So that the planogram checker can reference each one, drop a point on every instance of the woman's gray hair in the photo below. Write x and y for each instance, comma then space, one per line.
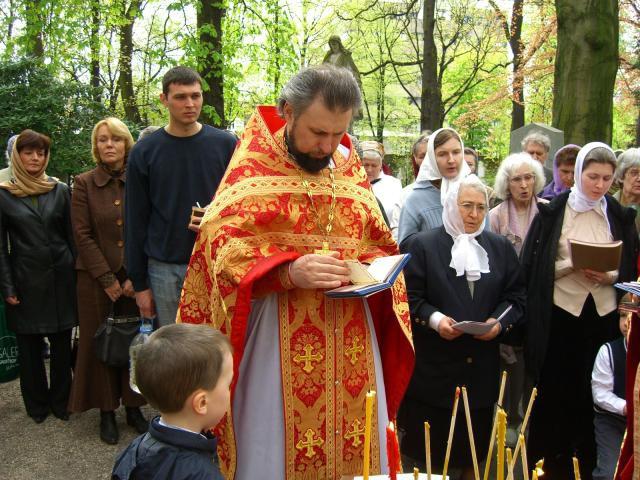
536, 137
628, 159
473, 182
507, 169
335, 85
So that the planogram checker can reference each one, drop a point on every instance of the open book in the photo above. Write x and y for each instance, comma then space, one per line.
369, 279
601, 257
631, 287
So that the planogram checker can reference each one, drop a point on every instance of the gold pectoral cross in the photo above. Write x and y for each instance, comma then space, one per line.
324, 250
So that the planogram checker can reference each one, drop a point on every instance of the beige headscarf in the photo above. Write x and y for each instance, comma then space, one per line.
22, 183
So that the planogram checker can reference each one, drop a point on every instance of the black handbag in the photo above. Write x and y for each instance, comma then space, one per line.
113, 338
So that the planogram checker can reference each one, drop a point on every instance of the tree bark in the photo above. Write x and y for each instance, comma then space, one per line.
585, 69
431, 107
125, 80
35, 27
95, 50
517, 87
210, 63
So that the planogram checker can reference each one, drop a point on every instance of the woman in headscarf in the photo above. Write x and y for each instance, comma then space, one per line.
628, 179
385, 187
37, 276
571, 313
457, 272
97, 213
564, 162
442, 168
518, 180
418, 152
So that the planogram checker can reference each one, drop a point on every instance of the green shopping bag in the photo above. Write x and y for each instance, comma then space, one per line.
8, 350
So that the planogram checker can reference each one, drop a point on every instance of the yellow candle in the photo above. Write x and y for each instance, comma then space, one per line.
368, 415
416, 473
454, 413
576, 468
427, 448
502, 436
509, 462
523, 452
492, 439
523, 426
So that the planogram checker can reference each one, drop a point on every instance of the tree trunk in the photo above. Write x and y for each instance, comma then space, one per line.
210, 15
431, 108
585, 69
517, 87
95, 50
125, 80
34, 27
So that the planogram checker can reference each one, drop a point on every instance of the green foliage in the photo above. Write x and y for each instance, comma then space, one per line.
31, 97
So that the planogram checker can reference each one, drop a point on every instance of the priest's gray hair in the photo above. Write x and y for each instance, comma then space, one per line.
628, 159
508, 169
536, 137
335, 85
473, 182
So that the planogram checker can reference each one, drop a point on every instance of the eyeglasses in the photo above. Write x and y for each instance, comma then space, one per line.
527, 177
633, 173
470, 207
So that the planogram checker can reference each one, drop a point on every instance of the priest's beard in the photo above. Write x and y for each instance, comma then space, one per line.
304, 160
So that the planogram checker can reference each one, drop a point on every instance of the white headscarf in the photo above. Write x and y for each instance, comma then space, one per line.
467, 255
577, 199
429, 169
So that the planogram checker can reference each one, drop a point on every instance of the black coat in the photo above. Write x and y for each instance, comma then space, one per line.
432, 285
538, 259
37, 261
168, 454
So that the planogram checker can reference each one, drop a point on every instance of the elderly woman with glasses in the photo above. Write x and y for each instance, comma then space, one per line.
518, 180
458, 272
628, 179
570, 312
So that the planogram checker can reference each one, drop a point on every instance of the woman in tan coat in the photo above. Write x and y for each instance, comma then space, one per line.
97, 209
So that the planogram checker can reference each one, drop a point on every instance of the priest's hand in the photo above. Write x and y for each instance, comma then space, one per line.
491, 334
319, 271
446, 330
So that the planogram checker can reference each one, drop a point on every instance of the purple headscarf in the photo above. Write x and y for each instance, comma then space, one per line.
556, 187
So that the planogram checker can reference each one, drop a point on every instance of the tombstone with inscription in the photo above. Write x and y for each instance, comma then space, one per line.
556, 137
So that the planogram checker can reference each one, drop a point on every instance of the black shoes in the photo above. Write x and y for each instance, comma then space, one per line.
40, 417
136, 420
64, 415
108, 428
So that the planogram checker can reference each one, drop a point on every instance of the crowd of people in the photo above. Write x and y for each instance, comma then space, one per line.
291, 202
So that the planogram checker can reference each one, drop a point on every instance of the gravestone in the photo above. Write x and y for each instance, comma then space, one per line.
555, 136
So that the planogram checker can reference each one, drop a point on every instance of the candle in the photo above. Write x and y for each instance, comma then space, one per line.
523, 427
523, 452
509, 462
451, 428
502, 434
427, 448
472, 443
416, 473
538, 470
393, 451
369, 399
576, 468
492, 439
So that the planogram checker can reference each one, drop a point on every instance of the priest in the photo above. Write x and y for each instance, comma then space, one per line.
294, 204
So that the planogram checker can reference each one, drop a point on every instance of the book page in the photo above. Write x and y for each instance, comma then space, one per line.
381, 267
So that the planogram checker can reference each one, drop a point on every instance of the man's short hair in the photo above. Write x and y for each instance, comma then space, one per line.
177, 360
536, 137
335, 85
181, 76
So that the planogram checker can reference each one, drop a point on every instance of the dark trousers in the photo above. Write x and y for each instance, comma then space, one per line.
562, 417
39, 398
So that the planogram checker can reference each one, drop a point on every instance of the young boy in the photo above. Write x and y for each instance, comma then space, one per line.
608, 389
185, 371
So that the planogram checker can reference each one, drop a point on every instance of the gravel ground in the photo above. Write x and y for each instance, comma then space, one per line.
55, 449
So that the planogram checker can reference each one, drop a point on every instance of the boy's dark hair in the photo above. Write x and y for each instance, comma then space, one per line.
32, 139
181, 76
177, 360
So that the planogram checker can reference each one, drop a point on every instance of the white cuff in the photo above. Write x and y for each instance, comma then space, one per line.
434, 320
